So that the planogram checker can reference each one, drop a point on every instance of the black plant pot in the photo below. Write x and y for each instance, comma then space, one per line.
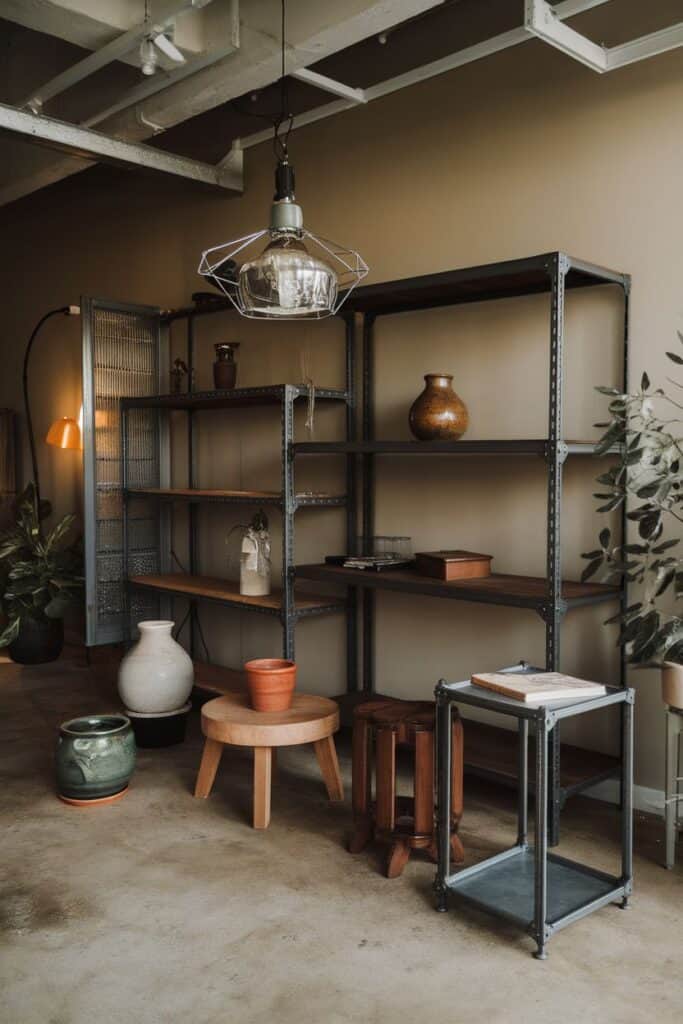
39, 641
162, 730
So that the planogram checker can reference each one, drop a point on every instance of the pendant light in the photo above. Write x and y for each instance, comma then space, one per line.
283, 272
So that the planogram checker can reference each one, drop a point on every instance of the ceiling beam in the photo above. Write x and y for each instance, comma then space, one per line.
468, 55
72, 139
92, 24
541, 20
330, 85
118, 48
315, 30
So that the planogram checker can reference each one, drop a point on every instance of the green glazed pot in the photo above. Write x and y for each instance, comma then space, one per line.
95, 756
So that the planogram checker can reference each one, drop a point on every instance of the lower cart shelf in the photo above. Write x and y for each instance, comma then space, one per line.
504, 886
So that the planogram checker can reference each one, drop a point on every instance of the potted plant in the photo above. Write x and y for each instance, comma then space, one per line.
40, 574
643, 429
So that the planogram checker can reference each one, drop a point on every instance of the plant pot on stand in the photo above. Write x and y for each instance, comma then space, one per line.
155, 681
672, 685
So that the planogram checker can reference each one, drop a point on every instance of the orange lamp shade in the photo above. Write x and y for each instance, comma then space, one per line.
64, 433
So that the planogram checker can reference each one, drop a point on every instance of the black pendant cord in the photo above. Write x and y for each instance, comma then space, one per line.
27, 406
285, 117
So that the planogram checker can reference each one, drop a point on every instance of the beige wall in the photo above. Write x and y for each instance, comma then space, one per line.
521, 153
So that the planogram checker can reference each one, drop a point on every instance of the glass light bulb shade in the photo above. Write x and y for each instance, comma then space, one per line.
64, 433
286, 280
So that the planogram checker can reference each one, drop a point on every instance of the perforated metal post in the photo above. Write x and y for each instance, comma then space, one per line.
368, 498
444, 755
351, 495
287, 611
557, 453
541, 838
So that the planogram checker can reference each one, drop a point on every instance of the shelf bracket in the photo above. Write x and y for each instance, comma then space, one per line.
546, 612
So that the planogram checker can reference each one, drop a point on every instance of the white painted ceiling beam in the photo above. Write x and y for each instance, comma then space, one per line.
70, 138
330, 85
117, 49
477, 51
541, 20
315, 29
93, 24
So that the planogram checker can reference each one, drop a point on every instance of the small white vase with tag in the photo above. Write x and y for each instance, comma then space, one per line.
255, 571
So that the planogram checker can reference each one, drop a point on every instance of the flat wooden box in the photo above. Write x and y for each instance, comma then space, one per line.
453, 565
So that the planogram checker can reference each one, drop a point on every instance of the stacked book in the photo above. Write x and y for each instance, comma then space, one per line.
538, 687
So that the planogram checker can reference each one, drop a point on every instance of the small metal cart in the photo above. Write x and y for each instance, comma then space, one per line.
537, 890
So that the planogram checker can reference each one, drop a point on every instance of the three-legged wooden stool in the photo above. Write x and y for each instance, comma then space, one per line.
231, 719
404, 823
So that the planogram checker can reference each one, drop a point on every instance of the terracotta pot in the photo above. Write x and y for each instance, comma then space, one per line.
271, 683
438, 414
672, 684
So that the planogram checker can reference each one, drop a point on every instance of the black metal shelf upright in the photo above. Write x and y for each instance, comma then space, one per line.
549, 273
283, 602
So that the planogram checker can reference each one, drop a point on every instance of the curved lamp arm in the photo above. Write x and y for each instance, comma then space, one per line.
66, 311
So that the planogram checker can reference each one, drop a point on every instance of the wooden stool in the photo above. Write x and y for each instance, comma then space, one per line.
231, 719
405, 823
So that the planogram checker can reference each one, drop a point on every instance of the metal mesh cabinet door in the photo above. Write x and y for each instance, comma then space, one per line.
122, 357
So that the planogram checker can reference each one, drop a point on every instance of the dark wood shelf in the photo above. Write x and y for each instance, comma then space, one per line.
525, 446
491, 752
234, 399
217, 679
305, 499
498, 588
504, 280
211, 588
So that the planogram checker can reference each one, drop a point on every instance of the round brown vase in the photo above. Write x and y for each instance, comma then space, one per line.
271, 683
438, 414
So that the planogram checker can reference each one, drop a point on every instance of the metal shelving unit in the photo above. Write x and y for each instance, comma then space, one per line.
289, 607
551, 273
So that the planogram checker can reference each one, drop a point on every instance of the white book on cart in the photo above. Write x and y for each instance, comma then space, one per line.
538, 687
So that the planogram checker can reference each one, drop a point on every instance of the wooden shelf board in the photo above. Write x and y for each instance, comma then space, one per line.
234, 496
522, 446
527, 276
237, 398
218, 679
227, 591
498, 588
490, 750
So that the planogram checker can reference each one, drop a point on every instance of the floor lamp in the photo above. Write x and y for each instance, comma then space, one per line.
64, 311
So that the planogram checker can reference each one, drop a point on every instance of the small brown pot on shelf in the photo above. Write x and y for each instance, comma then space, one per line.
438, 414
271, 683
225, 367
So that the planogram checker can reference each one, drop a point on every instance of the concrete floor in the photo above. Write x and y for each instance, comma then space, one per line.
161, 908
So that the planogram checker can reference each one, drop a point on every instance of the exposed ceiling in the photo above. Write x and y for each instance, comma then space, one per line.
81, 58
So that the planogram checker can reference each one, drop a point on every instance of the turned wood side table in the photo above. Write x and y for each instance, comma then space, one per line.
231, 720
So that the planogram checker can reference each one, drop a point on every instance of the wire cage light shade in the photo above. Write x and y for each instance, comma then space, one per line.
64, 433
288, 274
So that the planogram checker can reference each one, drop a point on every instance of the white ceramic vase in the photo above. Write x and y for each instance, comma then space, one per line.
157, 674
672, 684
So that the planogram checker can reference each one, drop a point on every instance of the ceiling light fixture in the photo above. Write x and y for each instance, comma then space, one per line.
297, 275
157, 40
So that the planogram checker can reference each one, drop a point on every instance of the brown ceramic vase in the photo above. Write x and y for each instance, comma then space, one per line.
225, 367
438, 414
271, 683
